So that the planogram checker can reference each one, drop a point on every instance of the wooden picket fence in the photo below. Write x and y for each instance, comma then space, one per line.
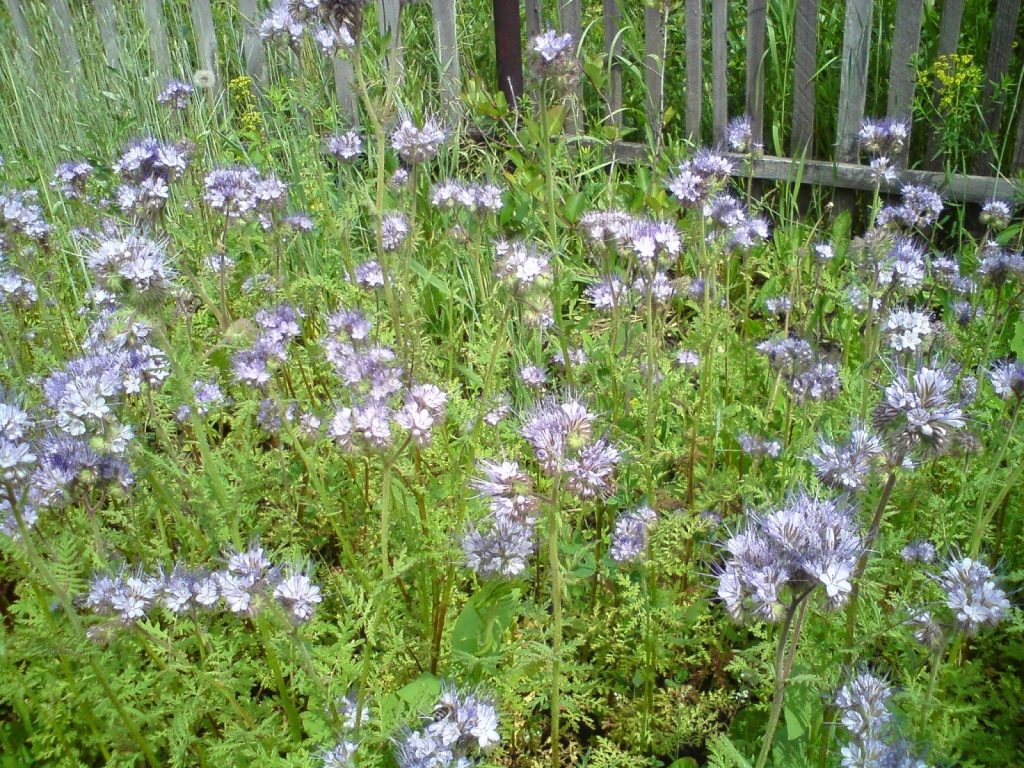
839, 170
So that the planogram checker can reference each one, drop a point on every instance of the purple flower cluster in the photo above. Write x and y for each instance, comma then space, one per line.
464, 724
849, 465
416, 144
394, 228
241, 193
805, 543
996, 214
553, 58
886, 138
148, 166
631, 535
344, 146
505, 544
21, 215
1007, 377
698, 179
207, 396
333, 25
279, 326
131, 261
732, 223
863, 704
372, 419
16, 290
247, 584
481, 197
920, 208
176, 94
972, 594
561, 435
918, 412
69, 178
757, 446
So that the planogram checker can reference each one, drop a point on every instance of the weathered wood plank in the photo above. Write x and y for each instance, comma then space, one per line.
902, 77
949, 36
850, 176
654, 65
757, 25
612, 18
26, 41
445, 36
570, 19
205, 34
805, 65
694, 68
344, 90
389, 23
252, 44
719, 64
1018, 144
853, 80
508, 49
1000, 51
949, 27
153, 18
534, 18
64, 33
106, 19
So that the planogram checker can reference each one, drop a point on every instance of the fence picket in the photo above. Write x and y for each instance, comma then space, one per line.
534, 17
654, 65
344, 92
206, 37
153, 18
26, 41
106, 18
445, 33
949, 36
694, 67
252, 43
570, 18
805, 64
1018, 144
853, 81
63, 27
757, 25
1000, 51
719, 67
389, 23
902, 77
612, 52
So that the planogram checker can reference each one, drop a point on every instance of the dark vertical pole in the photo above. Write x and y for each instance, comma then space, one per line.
509, 48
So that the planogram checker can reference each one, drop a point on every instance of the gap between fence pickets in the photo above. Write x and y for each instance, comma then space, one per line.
852, 176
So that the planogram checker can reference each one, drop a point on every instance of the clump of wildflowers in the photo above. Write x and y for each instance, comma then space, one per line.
1007, 379
863, 704
919, 413
887, 137
418, 144
805, 543
21, 215
996, 214
344, 146
847, 466
70, 178
972, 594
148, 166
632, 533
739, 135
554, 60
505, 545
475, 198
700, 178
176, 95
464, 725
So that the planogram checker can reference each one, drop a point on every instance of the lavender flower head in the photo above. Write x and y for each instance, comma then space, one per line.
554, 60
297, 594
1007, 377
996, 214
631, 535
417, 145
886, 137
344, 146
463, 724
176, 94
699, 178
805, 543
847, 466
973, 594
70, 178
918, 412
739, 135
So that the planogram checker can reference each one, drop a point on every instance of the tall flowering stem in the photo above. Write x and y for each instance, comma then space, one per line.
555, 575
985, 515
783, 666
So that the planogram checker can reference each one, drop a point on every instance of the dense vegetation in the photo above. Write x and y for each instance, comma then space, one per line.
409, 444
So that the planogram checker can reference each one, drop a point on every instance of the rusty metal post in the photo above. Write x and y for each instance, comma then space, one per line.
508, 48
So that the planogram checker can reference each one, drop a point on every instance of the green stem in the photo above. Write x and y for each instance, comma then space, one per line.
555, 574
984, 518
294, 721
781, 676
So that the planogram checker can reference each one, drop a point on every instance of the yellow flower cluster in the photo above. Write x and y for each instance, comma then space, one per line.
244, 105
956, 78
